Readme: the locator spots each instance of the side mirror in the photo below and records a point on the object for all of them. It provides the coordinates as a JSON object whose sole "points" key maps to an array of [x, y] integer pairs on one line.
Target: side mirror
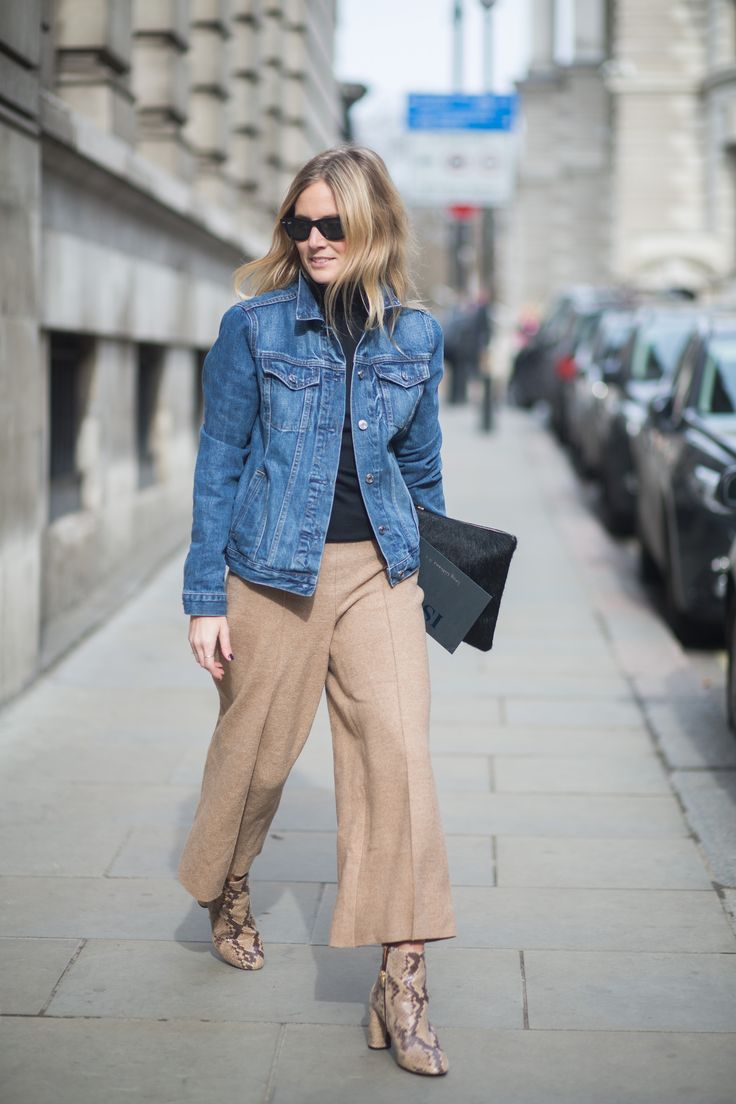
{"points": [[725, 491], [611, 370], [661, 409]]}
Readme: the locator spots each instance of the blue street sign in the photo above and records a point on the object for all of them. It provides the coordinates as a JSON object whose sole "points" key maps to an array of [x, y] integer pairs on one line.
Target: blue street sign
{"points": [[457, 111]]}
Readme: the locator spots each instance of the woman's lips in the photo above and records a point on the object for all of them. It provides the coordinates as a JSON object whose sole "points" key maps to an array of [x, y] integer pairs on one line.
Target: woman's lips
{"points": [[320, 261]]}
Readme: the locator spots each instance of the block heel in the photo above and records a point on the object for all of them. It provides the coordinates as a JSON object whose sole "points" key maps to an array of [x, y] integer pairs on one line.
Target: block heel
{"points": [[378, 1036]]}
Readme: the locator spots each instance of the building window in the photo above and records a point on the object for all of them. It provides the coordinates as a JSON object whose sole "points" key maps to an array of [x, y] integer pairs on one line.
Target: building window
{"points": [[198, 403], [148, 391], [70, 373]]}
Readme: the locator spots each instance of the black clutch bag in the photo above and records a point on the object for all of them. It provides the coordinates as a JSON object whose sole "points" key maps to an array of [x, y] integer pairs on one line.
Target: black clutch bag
{"points": [[463, 571]]}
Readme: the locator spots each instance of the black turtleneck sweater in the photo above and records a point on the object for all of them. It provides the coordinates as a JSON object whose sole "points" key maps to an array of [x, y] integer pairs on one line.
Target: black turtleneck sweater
{"points": [[348, 520]]}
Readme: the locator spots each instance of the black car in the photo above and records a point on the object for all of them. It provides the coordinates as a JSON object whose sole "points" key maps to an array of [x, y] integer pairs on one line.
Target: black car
{"points": [[602, 361], [684, 455], [533, 371], [619, 392], [728, 491]]}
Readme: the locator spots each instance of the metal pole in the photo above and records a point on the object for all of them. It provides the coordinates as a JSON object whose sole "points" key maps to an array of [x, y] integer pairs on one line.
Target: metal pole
{"points": [[457, 46], [488, 243], [457, 229]]}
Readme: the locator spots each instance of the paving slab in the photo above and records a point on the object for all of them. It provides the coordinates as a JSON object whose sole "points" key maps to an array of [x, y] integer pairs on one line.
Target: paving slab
{"points": [[302, 809], [139, 718], [590, 919], [445, 739], [30, 968], [633, 992], [92, 803], [577, 713], [462, 773], [60, 848], [141, 908], [462, 710], [611, 774], [511, 1067], [600, 863], [298, 984], [603, 815], [81, 1061]]}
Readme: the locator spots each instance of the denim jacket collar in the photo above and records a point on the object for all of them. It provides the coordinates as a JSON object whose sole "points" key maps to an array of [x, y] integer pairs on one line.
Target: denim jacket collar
{"points": [[308, 308]]}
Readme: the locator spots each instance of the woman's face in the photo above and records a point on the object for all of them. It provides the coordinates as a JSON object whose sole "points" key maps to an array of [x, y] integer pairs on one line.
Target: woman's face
{"points": [[321, 258]]}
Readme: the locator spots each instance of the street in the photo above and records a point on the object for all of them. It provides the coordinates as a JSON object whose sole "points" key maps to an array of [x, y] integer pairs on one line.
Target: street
{"points": [[586, 776]]}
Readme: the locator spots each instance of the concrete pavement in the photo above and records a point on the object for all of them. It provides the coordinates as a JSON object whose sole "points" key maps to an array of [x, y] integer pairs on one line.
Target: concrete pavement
{"points": [[585, 776]]}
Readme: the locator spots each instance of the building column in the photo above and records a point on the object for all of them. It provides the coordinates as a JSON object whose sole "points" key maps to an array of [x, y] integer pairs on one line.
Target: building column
{"points": [[207, 129], [243, 155], [660, 231], [270, 47], [295, 147], [543, 16], [23, 459], [161, 82], [589, 32], [93, 44]]}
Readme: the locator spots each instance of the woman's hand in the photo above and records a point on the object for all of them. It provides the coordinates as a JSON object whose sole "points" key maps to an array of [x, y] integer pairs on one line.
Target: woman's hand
{"points": [[209, 636]]}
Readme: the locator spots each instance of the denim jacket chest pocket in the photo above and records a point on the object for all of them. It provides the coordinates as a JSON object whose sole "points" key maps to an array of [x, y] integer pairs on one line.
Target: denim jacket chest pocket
{"points": [[400, 384], [288, 392]]}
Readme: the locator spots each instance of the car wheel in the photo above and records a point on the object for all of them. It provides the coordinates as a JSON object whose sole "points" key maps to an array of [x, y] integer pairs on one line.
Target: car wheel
{"points": [[648, 568], [617, 521], [686, 628]]}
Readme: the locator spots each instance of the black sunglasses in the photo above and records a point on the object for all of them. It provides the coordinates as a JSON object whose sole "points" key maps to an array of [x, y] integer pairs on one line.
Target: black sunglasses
{"points": [[299, 228]]}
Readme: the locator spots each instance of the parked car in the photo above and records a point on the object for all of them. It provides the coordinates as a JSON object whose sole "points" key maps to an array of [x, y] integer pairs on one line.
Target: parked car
{"points": [[728, 491], [571, 359], [603, 360], [617, 396], [533, 369], [685, 458]]}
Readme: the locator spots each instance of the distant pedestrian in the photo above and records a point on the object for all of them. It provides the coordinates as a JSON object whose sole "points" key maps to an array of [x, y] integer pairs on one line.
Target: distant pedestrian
{"points": [[320, 436], [467, 333]]}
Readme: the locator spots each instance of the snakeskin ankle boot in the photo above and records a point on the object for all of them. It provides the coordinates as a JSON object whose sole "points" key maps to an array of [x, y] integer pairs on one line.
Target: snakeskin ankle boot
{"points": [[397, 1010], [234, 933]]}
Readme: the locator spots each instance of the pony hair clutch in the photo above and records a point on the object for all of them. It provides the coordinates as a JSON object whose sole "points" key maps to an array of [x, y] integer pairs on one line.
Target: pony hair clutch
{"points": [[463, 570]]}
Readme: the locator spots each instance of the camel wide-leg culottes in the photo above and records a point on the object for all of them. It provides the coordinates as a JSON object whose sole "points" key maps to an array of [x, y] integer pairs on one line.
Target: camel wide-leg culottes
{"points": [[364, 642]]}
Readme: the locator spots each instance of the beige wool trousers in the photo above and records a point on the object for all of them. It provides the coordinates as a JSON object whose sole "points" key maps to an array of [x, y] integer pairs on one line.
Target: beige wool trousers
{"points": [[364, 642]]}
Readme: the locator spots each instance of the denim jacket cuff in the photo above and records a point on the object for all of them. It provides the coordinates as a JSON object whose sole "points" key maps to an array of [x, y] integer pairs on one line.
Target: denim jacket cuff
{"points": [[204, 605]]}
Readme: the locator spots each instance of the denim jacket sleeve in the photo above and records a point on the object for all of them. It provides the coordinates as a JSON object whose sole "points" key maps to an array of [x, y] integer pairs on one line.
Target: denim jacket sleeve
{"points": [[418, 448], [231, 399]]}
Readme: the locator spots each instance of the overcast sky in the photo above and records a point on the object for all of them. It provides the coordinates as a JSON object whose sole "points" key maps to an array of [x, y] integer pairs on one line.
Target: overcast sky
{"points": [[401, 46]]}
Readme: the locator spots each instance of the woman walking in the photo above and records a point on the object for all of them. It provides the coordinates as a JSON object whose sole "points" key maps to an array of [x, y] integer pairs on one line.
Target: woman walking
{"points": [[320, 436]]}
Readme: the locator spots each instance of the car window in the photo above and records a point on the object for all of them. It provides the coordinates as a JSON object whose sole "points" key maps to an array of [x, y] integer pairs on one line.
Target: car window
{"points": [[684, 377], [585, 331], [658, 347], [717, 391]]}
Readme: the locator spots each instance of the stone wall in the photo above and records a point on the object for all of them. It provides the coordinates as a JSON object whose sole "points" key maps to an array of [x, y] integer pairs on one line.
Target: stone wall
{"points": [[145, 148], [627, 170]]}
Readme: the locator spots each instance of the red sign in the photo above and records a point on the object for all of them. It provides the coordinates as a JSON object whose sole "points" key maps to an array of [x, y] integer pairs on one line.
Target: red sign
{"points": [[463, 212]]}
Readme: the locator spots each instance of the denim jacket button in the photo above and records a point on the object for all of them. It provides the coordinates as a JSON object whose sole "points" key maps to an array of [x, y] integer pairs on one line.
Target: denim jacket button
{"points": [[362, 424], [405, 375], [381, 528], [369, 478], [292, 378], [361, 373]]}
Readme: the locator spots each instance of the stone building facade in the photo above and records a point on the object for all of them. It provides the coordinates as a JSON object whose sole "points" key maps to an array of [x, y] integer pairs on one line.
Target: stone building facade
{"points": [[144, 148], [628, 157]]}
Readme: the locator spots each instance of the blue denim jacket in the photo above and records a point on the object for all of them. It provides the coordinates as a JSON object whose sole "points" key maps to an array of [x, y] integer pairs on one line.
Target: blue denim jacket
{"points": [[274, 406]]}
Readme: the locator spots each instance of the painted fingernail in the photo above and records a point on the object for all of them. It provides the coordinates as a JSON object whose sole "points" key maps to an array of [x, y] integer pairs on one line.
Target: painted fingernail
{"points": [[231, 656]]}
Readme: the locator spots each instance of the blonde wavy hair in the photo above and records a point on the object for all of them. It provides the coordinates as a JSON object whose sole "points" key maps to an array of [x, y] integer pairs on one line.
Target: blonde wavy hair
{"points": [[378, 236]]}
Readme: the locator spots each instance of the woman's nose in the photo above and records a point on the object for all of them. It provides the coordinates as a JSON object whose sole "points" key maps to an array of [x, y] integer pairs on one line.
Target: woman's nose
{"points": [[315, 238]]}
